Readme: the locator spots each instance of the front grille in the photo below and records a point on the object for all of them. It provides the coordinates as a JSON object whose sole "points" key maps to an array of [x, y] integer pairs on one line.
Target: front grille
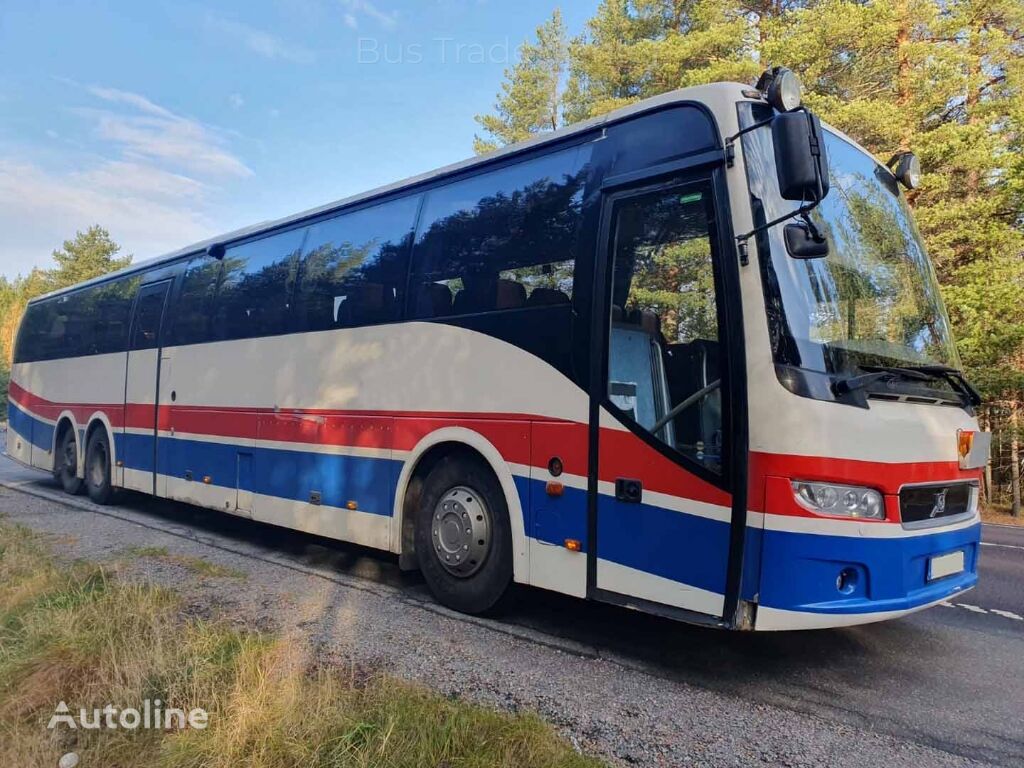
{"points": [[933, 502]]}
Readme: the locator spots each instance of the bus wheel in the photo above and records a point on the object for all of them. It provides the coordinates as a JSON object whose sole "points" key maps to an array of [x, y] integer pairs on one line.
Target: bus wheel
{"points": [[97, 468], [463, 538], [65, 467]]}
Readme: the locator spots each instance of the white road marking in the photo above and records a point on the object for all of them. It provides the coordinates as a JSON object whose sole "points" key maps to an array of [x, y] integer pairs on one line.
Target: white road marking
{"points": [[972, 608], [1007, 614], [1004, 546], [979, 609]]}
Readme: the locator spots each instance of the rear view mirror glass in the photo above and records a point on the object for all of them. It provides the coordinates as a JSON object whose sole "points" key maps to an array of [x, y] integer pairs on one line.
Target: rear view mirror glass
{"points": [[802, 244]]}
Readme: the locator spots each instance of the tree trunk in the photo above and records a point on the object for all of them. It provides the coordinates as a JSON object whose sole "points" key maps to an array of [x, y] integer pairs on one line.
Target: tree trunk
{"points": [[986, 424], [1014, 459]]}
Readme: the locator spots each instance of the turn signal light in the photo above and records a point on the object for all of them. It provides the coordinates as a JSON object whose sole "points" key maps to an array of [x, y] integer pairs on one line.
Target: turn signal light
{"points": [[573, 545], [964, 442], [554, 489]]}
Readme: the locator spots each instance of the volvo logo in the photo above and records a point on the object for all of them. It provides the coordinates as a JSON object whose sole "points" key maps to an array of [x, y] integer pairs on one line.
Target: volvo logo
{"points": [[939, 507]]}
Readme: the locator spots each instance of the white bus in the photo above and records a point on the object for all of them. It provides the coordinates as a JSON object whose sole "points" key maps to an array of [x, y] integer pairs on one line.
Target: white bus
{"points": [[689, 357]]}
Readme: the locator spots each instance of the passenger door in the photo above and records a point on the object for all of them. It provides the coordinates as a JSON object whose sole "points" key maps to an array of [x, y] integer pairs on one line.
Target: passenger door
{"points": [[662, 507], [139, 455]]}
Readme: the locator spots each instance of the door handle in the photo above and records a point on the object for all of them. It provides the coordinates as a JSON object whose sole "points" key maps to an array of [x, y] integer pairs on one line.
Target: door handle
{"points": [[628, 491]]}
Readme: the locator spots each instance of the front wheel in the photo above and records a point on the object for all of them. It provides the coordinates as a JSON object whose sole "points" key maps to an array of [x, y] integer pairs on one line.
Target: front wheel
{"points": [[463, 537], [65, 465], [97, 468]]}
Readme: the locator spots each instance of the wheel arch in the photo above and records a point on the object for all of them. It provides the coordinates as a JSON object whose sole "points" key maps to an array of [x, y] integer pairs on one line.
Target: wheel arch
{"points": [[427, 452]]}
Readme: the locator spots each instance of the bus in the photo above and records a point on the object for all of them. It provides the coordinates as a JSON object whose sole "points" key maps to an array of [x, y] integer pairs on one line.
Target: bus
{"points": [[689, 357]]}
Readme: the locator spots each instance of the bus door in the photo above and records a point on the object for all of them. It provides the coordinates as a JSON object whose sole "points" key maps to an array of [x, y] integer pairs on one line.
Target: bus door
{"points": [[139, 451], [663, 506]]}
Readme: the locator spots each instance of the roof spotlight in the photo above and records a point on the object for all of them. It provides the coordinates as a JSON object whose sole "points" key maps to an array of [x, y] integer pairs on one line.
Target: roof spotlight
{"points": [[782, 88], [907, 169]]}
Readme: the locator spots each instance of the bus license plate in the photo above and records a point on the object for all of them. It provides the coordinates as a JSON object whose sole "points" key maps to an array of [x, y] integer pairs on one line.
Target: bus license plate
{"points": [[945, 565]]}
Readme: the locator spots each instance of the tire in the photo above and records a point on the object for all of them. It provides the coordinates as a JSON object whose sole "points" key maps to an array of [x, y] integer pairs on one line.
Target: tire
{"points": [[462, 494], [97, 468], [65, 463]]}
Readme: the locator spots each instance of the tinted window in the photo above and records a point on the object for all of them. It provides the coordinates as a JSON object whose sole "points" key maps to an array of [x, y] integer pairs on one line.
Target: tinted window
{"points": [[355, 267], [194, 306], [112, 309], [30, 345], [149, 312], [501, 240], [256, 284], [659, 138]]}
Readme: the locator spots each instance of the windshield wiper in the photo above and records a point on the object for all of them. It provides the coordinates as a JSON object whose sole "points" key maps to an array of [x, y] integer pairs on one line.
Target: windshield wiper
{"points": [[876, 373]]}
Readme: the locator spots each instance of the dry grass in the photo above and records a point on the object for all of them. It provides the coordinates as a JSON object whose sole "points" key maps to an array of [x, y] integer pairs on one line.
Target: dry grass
{"points": [[80, 635], [1000, 514]]}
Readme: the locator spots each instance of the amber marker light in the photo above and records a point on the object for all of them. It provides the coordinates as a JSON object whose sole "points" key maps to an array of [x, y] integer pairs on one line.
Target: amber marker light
{"points": [[573, 545], [554, 489], [352, 505], [207, 479], [964, 442]]}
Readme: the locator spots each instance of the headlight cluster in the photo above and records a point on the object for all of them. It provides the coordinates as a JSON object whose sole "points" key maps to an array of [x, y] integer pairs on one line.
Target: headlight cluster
{"points": [[840, 500]]}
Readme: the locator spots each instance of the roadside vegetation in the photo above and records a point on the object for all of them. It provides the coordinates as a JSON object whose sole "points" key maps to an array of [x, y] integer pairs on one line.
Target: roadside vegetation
{"points": [[196, 565], [79, 634]]}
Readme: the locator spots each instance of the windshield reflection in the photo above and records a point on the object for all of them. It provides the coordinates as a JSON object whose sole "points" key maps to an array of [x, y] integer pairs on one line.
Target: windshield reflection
{"points": [[874, 299]]}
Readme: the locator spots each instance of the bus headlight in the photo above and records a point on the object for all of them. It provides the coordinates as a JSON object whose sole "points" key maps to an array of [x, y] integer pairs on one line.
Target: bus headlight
{"points": [[839, 500]]}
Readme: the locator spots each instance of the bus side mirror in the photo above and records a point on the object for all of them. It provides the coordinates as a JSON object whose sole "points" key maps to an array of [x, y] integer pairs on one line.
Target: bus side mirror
{"points": [[802, 243], [800, 158]]}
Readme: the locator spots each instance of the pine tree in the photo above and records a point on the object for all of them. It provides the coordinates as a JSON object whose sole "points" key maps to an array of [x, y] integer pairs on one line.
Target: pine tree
{"points": [[531, 96], [92, 253]]}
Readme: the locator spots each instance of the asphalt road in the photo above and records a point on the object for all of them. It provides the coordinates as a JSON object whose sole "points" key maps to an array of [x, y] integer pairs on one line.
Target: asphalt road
{"points": [[950, 678]]}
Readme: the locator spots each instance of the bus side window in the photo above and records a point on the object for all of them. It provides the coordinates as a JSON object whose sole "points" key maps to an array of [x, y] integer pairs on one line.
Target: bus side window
{"points": [[256, 285], [192, 311], [501, 240], [355, 267]]}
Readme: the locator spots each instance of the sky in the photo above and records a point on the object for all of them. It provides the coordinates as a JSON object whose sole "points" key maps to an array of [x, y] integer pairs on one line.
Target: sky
{"points": [[169, 122]]}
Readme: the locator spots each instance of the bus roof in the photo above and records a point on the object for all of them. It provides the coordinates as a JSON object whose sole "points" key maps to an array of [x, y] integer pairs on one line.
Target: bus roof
{"points": [[715, 96]]}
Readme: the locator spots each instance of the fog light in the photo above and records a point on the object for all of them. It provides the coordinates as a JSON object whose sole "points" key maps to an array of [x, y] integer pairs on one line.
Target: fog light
{"points": [[839, 500], [846, 582]]}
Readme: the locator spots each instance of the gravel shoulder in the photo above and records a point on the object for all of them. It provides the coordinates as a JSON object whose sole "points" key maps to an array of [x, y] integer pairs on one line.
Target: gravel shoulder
{"points": [[607, 705]]}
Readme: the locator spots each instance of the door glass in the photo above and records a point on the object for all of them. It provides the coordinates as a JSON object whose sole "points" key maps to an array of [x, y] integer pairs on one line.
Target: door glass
{"points": [[148, 313], [664, 356]]}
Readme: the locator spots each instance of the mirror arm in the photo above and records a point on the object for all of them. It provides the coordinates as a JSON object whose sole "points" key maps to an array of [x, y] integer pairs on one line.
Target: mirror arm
{"points": [[802, 212]]}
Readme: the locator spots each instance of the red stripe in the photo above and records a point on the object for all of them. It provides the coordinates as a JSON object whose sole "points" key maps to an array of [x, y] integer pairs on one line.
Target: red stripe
{"points": [[50, 410], [884, 476]]}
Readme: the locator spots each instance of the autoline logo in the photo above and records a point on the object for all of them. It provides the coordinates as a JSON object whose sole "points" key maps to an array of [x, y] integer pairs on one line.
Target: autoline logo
{"points": [[152, 715]]}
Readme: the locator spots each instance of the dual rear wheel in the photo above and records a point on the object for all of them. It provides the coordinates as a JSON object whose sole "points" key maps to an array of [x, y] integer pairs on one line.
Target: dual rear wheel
{"points": [[97, 481]]}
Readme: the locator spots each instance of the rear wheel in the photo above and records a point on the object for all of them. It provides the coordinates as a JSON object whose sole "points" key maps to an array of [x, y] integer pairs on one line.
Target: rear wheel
{"points": [[65, 465], [463, 538], [97, 468]]}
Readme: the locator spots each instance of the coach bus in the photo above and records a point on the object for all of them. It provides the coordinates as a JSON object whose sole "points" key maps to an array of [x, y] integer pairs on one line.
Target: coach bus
{"points": [[689, 357]]}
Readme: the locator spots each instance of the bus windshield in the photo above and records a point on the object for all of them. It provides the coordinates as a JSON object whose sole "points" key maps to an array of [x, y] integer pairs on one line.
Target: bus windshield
{"points": [[874, 300]]}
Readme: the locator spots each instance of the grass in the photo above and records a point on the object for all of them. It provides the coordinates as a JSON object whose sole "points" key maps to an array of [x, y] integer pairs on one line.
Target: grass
{"points": [[79, 634], [196, 565], [1000, 514]]}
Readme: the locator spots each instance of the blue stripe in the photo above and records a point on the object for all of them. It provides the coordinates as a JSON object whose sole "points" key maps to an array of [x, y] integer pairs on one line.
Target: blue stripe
{"points": [[800, 571], [285, 474], [31, 429], [685, 548]]}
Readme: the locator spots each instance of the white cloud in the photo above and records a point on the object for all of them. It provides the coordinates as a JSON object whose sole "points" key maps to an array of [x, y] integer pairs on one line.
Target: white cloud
{"points": [[149, 132], [350, 21], [236, 101], [149, 175], [147, 210], [260, 42], [355, 8]]}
